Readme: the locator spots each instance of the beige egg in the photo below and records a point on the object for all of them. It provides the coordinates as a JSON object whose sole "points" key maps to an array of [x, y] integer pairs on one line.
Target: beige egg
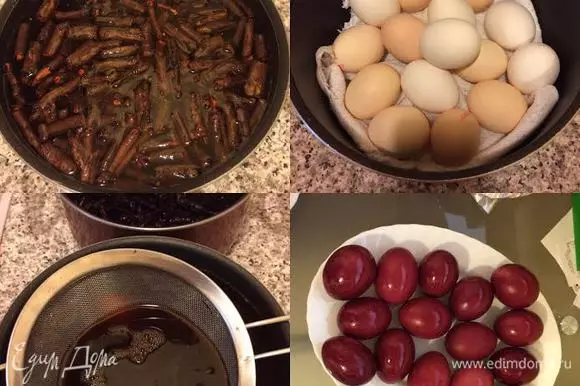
{"points": [[450, 9], [374, 88], [490, 64], [402, 37], [455, 137], [375, 12], [498, 106], [429, 88], [413, 6], [450, 44], [480, 5], [401, 131], [357, 47]]}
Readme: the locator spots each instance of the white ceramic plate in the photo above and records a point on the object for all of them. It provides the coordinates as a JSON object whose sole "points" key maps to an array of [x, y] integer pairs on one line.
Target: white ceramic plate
{"points": [[474, 258], [293, 199]]}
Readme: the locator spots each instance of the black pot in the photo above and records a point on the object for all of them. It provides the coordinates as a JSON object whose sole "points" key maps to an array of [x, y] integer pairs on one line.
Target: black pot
{"points": [[267, 19], [249, 296], [560, 29]]}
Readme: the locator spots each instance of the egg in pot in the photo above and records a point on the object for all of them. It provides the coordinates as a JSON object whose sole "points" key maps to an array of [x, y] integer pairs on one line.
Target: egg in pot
{"points": [[374, 88], [498, 106], [375, 12], [357, 47], [480, 5], [402, 131], [412, 6], [490, 64], [450, 9], [402, 37], [429, 88], [509, 24], [455, 137], [450, 44], [533, 67]]}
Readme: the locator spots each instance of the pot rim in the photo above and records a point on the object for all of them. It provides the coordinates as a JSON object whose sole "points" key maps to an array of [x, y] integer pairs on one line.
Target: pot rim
{"points": [[15, 140], [64, 198]]}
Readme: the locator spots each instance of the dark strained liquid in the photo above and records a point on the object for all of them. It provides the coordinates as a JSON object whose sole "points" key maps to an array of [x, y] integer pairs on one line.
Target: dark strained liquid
{"points": [[155, 210], [153, 347]]}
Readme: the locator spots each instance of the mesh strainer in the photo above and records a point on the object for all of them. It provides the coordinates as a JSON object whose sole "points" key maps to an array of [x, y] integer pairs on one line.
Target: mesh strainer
{"points": [[102, 284]]}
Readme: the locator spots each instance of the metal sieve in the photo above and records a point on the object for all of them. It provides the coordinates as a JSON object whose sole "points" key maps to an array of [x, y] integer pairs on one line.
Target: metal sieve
{"points": [[102, 284]]}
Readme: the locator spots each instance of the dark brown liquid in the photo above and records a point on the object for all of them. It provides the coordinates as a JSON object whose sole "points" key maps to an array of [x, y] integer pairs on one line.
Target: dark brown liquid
{"points": [[155, 210], [157, 348]]}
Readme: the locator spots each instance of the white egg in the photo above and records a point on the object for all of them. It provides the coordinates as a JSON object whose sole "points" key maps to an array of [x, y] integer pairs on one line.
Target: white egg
{"points": [[510, 24], [429, 88], [375, 12], [450, 9], [450, 44], [532, 67]]}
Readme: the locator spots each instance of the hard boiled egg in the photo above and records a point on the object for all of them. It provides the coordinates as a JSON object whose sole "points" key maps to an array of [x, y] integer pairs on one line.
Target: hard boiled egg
{"points": [[374, 88], [450, 44], [402, 36], [498, 106], [532, 67], [490, 64], [429, 88], [412, 6], [375, 12], [358, 47], [402, 131], [450, 9], [510, 24]]}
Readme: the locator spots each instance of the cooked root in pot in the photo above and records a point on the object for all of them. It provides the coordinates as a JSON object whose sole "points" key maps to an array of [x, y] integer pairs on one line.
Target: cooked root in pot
{"points": [[138, 93]]}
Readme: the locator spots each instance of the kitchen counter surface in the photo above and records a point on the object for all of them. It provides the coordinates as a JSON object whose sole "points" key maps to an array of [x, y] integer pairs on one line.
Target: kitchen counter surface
{"points": [[266, 170], [37, 235], [317, 168]]}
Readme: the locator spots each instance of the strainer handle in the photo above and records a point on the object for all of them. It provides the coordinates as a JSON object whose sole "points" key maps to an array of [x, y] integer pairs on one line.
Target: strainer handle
{"points": [[269, 322], [274, 353]]}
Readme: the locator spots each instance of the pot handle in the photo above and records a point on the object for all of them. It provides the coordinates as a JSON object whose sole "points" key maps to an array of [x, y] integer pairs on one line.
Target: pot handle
{"points": [[269, 322]]}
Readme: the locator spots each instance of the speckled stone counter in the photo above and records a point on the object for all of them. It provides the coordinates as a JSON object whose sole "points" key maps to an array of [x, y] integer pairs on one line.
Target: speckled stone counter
{"points": [[317, 168], [37, 235], [266, 170]]}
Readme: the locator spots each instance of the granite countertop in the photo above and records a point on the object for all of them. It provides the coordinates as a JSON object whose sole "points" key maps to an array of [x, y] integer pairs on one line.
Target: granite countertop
{"points": [[266, 170], [317, 168], [37, 235]]}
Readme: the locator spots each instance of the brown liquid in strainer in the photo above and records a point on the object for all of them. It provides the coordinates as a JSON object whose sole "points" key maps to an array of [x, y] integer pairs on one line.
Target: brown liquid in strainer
{"points": [[153, 347]]}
